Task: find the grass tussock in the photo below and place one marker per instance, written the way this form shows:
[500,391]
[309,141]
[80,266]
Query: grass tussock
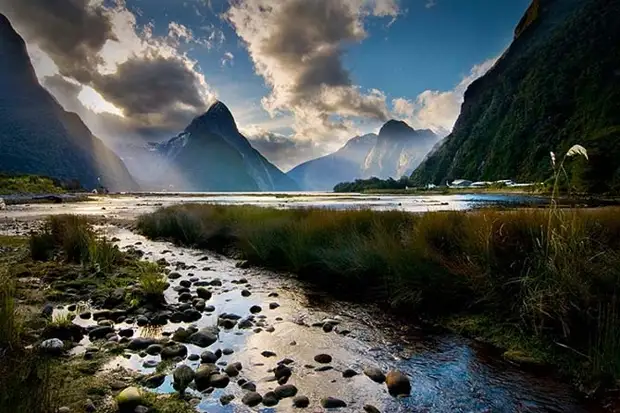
[151,280]
[73,238]
[550,275]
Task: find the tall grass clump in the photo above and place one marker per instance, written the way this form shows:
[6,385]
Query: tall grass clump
[151,280]
[73,238]
[555,280]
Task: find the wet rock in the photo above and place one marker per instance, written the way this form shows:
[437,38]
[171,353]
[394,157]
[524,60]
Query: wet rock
[270,399]
[323,368]
[301,402]
[369,408]
[245,323]
[47,310]
[270,329]
[268,354]
[185,283]
[53,346]
[323,358]
[128,399]
[160,319]
[398,383]
[203,376]
[208,357]
[64,409]
[273,306]
[100,332]
[176,317]
[142,320]
[375,374]
[328,327]
[191,315]
[216,283]
[85,315]
[230,316]
[228,351]
[227,324]
[287,390]
[282,371]
[231,370]
[332,403]
[204,258]
[173,351]
[249,386]
[245,293]
[252,399]
[185,297]
[243,264]
[209,309]
[203,293]
[154,349]
[199,304]
[116,297]
[125,332]
[348,373]
[141,343]
[182,377]
[219,381]
[283,380]
[174,275]
[141,409]
[193,357]
[255,309]
[226,399]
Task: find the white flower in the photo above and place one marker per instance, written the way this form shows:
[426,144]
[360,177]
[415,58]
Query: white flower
[552,158]
[577,150]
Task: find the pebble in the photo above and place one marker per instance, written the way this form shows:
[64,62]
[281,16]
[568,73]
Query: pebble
[398,383]
[369,408]
[301,401]
[255,309]
[332,403]
[287,390]
[375,374]
[268,354]
[348,373]
[252,399]
[246,293]
[270,399]
[226,399]
[273,306]
[323,358]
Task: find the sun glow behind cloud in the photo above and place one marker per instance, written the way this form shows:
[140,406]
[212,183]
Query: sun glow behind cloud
[95,102]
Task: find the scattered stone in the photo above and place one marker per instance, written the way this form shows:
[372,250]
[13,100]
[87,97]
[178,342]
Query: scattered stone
[270,329]
[398,383]
[203,293]
[190,315]
[255,309]
[228,351]
[282,371]
[252,399]
[185,283]
[231,370]
[323,368]
[129,399]
[283,380]
[369,408]
[209,309]
[245,293]
[125,332]
[268,354]
[332,403]
[273,306]
[203,376]
[53,346]
[216,283]
[173,351]
[100,332]
[301,402]
[249,386]
[226,399]
[328,327]
[375,374]
[273,295]
[270,399]
[193,357]
[219,381]
[154,349]
[203,338]
[183,376]
[199,304]
[226,323]
[141,343]
[348,373]
[85,315]
[287,390]
[150,364]
[64,409]
[141,409]
[142,320]
[323,358]
[174,275]
[153,382]
[208,357]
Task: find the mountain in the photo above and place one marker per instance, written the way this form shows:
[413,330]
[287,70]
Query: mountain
[212,155]
[38,136]
[398,151]
[558,84]
[395,152]
[322,174]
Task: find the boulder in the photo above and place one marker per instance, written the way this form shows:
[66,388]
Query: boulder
[52,346]
[323,358]
[301,402]
[128,399]
[183,376]
[270,399]
[287,390]
[332,403]
[375,374]
[252,399]
[203,338]
[398,383]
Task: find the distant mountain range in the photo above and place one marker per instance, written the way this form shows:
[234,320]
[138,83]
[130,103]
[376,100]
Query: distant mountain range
[396,151]
[212,155]
[558,84]
[37,136]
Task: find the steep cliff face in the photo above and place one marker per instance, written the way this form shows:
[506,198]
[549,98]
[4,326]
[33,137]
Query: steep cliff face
[37,136]
[346,164]
[212,155]
[557,84]
[399,150]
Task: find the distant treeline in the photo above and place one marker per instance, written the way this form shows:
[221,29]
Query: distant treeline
[13,184]
[361,185]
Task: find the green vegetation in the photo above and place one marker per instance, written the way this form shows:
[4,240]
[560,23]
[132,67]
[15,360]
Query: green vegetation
[555,85]
[34,184]
[66,254]
[152,282]
[548,278]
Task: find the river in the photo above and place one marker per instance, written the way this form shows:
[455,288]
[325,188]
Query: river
[448,373]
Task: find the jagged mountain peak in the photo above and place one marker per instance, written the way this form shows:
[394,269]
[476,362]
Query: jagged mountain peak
[217,119]
[395,127]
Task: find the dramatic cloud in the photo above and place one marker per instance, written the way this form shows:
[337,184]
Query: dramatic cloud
[100,46]
[283,151]
[297,47]
[438,110]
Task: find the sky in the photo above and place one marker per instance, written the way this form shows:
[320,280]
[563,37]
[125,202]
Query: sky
[301,77]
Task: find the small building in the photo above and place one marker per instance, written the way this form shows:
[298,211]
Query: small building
[507,182]
[481,184]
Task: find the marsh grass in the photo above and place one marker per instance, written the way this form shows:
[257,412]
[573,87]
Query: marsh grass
[555,280]
[151,280]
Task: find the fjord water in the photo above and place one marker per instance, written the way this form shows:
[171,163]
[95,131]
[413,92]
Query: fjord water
[448,373]
[129,206]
